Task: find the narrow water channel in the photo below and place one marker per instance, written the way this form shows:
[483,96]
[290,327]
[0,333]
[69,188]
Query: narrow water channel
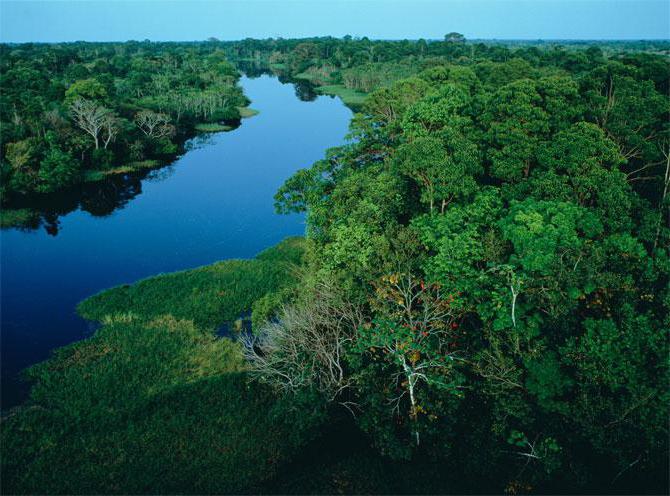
[214,202]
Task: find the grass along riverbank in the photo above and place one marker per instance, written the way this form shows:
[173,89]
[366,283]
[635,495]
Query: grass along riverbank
[100,175]
[209,295]
[351,98]
[212,128]
[154,402]
[15,217]
[246,112]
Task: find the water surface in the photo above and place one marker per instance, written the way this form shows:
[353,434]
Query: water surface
[213,203]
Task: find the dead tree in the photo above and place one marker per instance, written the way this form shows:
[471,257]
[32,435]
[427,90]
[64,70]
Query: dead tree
[305,346]
[91,118]
[154,125]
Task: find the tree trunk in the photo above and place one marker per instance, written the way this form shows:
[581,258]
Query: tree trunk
[411,382]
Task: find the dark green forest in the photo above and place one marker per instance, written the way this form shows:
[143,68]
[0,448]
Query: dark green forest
[480,303]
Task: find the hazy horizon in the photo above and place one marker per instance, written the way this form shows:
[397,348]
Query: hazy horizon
[169,20]
[544,40]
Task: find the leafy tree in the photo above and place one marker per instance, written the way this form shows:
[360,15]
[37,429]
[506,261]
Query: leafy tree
[22,171]
[58,169]
[414,330]
[454,37]
[87,89]
[581,165]
[516,122]
[445,167]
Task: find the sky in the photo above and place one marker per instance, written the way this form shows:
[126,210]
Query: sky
[180,20]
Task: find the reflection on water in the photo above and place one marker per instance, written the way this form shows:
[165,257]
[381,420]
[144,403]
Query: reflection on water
[99,199]
[214,202]
[199,141]
[158,175]
[253,68]
[304,90]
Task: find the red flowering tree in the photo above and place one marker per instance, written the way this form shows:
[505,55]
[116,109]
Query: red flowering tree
[415,330]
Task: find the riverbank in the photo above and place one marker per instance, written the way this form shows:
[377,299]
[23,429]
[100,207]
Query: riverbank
[215,202]
[25,217]
[154,401]
[210,296]
[350,97]
[319,84]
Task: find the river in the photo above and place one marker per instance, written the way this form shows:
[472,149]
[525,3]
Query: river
[212,203]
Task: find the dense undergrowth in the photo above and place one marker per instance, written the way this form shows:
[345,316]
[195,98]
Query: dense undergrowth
[146,406]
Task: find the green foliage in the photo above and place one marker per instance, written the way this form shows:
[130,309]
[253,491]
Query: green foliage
[90,89]
[516,122]
[20,174]
[539,209]
[581,165]
[57,170]
[543,232]
[102,158]
[17,217]
[413,338]
[521,189]
[622,381]
[444,167]
[463,241]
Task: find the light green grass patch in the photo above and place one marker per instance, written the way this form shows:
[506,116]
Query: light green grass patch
[212,127]
[348,96]
[209,295]
[99,175]
[305,76]
[246,112]
[146,407]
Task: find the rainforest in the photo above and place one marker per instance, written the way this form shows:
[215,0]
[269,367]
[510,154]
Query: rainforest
[471,293]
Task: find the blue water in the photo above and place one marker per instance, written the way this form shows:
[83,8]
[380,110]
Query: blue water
[213,203]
